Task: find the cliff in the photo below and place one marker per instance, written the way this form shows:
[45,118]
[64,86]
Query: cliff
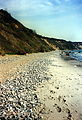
[15,38]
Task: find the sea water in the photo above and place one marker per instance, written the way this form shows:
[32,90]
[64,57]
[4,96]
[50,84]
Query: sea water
[76,54]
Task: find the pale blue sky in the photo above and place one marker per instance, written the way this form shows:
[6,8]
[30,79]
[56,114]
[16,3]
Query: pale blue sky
[54,18]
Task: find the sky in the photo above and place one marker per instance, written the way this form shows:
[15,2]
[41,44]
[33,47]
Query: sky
[53,18]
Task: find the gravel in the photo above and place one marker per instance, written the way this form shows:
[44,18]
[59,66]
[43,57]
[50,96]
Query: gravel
[18,98]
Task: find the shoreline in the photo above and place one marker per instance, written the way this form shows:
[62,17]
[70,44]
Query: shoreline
[62,94]
[44,87]
[71,60]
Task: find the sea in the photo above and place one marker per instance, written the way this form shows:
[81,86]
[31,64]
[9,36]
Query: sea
[76,54]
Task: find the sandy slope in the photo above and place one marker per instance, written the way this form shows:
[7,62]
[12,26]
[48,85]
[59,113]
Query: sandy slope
[62,95]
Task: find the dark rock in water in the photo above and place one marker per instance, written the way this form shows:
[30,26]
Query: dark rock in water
[67,53]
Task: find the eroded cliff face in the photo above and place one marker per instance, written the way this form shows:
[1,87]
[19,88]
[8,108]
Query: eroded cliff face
[17,39]
[14,37]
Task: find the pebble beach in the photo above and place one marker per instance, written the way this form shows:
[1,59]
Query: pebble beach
[40,86]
